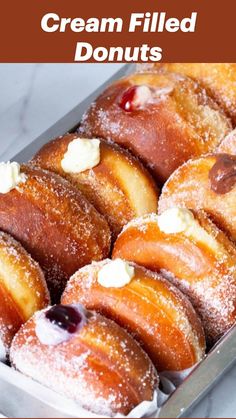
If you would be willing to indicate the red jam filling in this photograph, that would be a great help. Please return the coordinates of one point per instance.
(127, 101)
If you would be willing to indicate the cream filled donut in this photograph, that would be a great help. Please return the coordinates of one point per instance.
(52, 220)
(207, 183)
(155, 312)
(194, 255)
(218, 79)
(113, 180)
(23, 289)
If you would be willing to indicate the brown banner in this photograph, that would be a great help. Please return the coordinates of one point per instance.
(182, 30)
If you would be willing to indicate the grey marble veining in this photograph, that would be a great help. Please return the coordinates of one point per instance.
(34, 97)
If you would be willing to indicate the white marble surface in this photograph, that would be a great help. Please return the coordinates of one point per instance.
(35, 96)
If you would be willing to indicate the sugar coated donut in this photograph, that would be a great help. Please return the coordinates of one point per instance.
(194, 255)
(52, 220)
(23, 289)
(113, 180)
(85, 357)
(219, 79)
(159, 316)
(207, 183)
(163, 118)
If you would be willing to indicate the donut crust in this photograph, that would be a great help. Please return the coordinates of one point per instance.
(217, 78)
(182, 121)
(55, 224)
(119, 187)
(156, 313)
(101, 367)
(228, 144)
(205, 274)
(23, 289)
(189, 187)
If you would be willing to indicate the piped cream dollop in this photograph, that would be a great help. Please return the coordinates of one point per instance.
(181, 220)
(176, 220)
(115, 274)
(82, 154)
(10, 176)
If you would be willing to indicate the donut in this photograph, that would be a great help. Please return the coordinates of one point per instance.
(219, 79)
(207, 183)
(111, 178)
(85, 357)
(52, 220)
(194, 255)
(228, 144)
(155, 312)
(23, 290)
(162, 118)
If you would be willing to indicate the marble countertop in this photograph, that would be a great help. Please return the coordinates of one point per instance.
(34, 97)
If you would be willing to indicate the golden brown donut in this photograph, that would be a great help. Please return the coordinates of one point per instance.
(194, 254)
(207, 183)
(228, 144)
(118, 185)
(156, 313)
(163, 118)
(85, 357)
(23, 289)
(55, 224)
(219, 79)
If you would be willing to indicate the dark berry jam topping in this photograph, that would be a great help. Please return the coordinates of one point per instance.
(223, 174)
(66, 317)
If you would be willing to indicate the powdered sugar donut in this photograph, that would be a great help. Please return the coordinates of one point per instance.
(113, 180)
(23, 289)
(85, 357)
(194, 255)
(53, 221)
(219, 79)
(162, 118)
(159, 316)
(207, 183)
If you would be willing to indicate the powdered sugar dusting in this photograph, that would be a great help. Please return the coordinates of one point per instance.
(213, 292)
(62, 230)
(215, 305)
(80, 368)
(228, 144)
(178, 105)
(141, 223)
(14, 260)
(23, 288)
(140, 296)
(189, 186)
